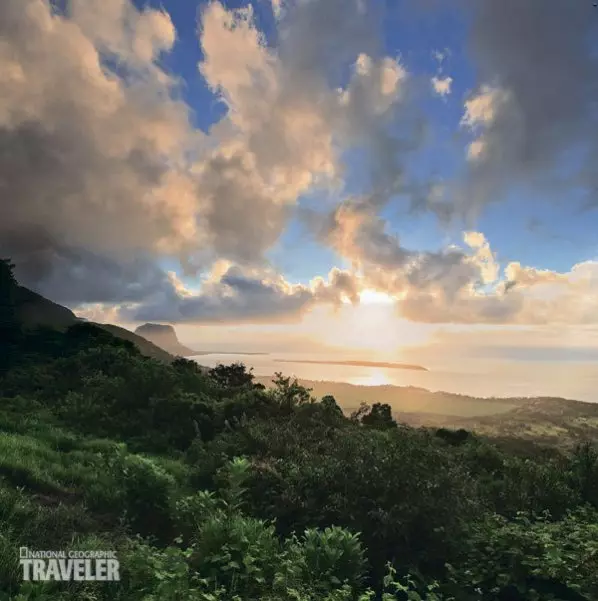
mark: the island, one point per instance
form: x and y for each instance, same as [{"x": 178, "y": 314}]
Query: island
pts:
[{"x": 357, "y": 364}]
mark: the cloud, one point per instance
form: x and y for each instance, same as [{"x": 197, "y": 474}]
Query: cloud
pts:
[
  {"x": 441, "y": 56},
  {"x": 476, "y": 150},
  {"x": 232, "y": 294},
  {"x": 75, "y": 275},
  {"x": 374, "y": 87},
  {"x": 529, "y": 276},
  {"x": 458, "y": 285},
  {"x": 357, "y": 233},
  {"x": 102, "y": 171},
  {"x": 442, "y": 85},
  {"x": 98, "y": 312},
  {"x": 103, "y": 178},
  {"x": 277, "y": 7},
  {"x": 145, "y": 35},
  {"x": 482, "y": 108},
  {"x": 286, "y": 126},
  {"x": 481, "y": 111},
  {"x": 483, "y": 258},
  {"x": 91, "y": 161},
  {"x": 535, "y": 106},
  {"x": 539, "y": 297}
]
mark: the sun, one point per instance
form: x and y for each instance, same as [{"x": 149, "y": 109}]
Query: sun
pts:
[
  {"x": 375, "y": 377},
  {"x": 370, "y": 296},
  {"x": 372, "y": 329}
]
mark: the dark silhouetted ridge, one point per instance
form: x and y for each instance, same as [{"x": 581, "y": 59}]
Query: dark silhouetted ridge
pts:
[{"x": 34, "y": 310}]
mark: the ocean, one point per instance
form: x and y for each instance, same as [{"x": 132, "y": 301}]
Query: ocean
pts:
[{"x": 482, "y": 378}]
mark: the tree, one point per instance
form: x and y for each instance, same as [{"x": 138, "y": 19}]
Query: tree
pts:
[
  {"x": 8, "y": 289},
  {"x": 584, "y": 471},
  {"x": 9, "y": 325},
  {"x": 357, "y": 415},
  {"x": 379, "y": 417},
  {"x": 288, "y": 393},
  {"x": 329, "y": 403},
  {"x": 453, "y": 437},
  {"x": 232, "y": 376}
]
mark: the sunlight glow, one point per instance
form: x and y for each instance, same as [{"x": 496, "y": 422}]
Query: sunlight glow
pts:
[
  {"x": 370, "y": 296},
  {"x": 376, "y": 377},
  {"x": 373, "y": 330}
]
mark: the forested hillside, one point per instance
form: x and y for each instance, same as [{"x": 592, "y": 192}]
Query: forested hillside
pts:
[
  {"x": 212, "y": 488},
  {"x": 550, "y": 420}
]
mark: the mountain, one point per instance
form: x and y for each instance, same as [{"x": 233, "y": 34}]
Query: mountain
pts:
[
  {"x": 165, "y": 337},
  {"x": 146, "y": 347},
  {"x": 34, "y": 310}
]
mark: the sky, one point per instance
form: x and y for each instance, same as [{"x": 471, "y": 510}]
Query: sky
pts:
[{"x": 320, "y": 174}]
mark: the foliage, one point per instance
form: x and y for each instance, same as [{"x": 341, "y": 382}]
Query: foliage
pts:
[
  {"x": 231, "y": 376},
  {"x": 533, "y": 558},
  {"x": 288, "y": 393},
  {"x": 380, "y": 417},
  {"x": 9, "y": 327},
  {"x": 212, "y": 488}
]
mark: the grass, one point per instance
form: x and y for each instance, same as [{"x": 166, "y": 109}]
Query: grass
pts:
[
  {"x": 34, "y": 464},
  {"x": 54, "y": 483}
]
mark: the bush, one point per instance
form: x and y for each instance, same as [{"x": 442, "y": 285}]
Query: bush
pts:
[{"x": 148, "y": 495}]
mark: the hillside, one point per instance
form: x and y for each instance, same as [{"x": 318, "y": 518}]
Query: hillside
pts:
[
  {"x": 552, "y": 421},
  {"x": 34, "y": 310}
]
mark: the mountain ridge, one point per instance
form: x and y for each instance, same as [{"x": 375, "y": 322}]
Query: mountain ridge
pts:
[{"x": 34, "y": 310}]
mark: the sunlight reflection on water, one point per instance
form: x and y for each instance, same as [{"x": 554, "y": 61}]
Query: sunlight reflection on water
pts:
[{"x": 481, "y": 378}]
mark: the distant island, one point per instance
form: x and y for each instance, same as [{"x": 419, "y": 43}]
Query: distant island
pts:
[
  {"x": 357, "y": 364},
  {"x": 228, "y": 353},
  {"x": 165, "y": 337}
]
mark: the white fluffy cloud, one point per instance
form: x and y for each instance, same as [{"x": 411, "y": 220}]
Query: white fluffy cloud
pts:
[
  {"x": 287, "y": 126},
  {"x": 101, "y": 170},
  {"x": 442, "y": 85},
  {"x": 103, "y": 177},
  {"x": 459, "y": 285},
  {"x": 374, "y": 87},
  {"x": 481, "y": 111},
  {"x": 82, "y": 151}
]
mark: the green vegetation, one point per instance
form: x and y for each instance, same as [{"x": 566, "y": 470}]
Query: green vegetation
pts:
[
  {"x": 34, "y": 311},
  {"x": 212, "y": 488},
  {"x": 410, "y": 400},
  {"x": 552, "y": 421}
]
